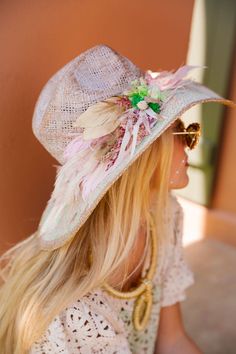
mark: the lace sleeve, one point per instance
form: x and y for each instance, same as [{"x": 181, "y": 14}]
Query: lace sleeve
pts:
[
  {"x": 79, "y": 330},
  {"x": 177, "y": 274}
]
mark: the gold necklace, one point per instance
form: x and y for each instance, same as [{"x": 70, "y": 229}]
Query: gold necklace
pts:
[{"x": 143, "y": 293}]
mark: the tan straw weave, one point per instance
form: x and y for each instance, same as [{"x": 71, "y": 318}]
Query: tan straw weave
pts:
[
  {"x": 94, "y": 75},
  {"x": 91, "y": 77}
]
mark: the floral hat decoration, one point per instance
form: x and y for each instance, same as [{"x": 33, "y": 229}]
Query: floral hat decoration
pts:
[{"x": 96, "y": 115}]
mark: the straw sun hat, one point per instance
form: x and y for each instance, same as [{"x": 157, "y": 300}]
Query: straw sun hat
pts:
[{"x": 95, "y": 116}]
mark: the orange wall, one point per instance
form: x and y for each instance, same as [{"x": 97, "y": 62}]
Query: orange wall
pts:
[{"x": 37, "y": 38}]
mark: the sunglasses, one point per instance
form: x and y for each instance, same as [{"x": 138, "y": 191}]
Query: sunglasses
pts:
[{"x": 190, "y": 135}]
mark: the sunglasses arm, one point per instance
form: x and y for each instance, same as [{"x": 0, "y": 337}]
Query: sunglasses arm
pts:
[{"x": 178, "y": 133}]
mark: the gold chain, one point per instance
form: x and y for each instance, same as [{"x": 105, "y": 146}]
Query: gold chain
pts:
[{"x": 143, "y": 293}]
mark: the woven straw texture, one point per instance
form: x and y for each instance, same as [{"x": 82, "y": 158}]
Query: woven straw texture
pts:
[
  {"x": 91, "y": 77},
  {"x": 94, "y": 75}
]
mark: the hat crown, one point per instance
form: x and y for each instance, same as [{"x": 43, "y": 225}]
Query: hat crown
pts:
[{"x": 94, "y": 75}]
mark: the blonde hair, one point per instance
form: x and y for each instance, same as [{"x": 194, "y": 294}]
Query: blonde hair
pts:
[{"x": 38, "y": 284}]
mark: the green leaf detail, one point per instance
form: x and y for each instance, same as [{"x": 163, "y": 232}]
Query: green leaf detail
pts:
[
  {"x": 155, "y": 106},
  {"x": 135, "y": 99}
]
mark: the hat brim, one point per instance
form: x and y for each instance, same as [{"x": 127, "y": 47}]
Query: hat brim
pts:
[{"x": 53, "y": 234}]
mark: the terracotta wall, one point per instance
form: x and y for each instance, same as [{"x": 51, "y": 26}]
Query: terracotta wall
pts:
[{"x": 37, "y": 38}]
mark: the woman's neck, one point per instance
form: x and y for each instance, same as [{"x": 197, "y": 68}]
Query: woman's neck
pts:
[{"x": 117, "y": 278}]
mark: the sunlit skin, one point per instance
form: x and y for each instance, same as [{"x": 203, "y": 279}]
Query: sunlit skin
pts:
[
  {"x": 178, "y": 174},
  {"x": 179, "y": 165}
]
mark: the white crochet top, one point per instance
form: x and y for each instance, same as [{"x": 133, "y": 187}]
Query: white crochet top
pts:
[{"x": 101, "y": 323}]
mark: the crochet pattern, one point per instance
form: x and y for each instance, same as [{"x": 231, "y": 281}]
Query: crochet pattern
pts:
[{"x": 100, "y": 323}]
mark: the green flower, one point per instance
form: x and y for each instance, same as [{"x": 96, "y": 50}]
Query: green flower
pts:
[
  {"x": 138, "y": 87},
  {"x": 135, "y": 99},
  {"x": 155, "y": 106},
  {"x": 142, "y": 90},
  {"x": 139, "y": 90}
]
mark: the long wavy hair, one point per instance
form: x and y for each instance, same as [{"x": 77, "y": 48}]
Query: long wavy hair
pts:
[{"x": 37, "y": 284}]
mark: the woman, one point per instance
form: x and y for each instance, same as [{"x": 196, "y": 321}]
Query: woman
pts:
[{"x": 105, "y": 272}]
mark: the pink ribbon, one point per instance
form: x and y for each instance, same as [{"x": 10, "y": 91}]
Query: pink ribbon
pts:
[{"x": 133, "y": 130}]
